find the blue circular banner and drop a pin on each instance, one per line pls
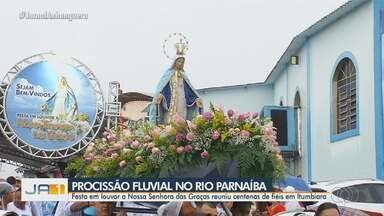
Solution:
(50, 106)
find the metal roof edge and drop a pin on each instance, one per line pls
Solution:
(257, 84)
(299, 40)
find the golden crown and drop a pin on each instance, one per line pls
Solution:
(175, 41)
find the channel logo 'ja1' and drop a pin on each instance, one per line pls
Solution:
(51, 189)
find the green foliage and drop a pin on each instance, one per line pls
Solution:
(75, 167)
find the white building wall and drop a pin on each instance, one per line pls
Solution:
(280, 89)
(244, 98)
(297, 80)
(296, 76)
(353, 157)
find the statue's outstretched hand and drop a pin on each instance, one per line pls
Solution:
(158, 98)
(199, 103)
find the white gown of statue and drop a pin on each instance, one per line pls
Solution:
(59, 106)
(178, 102)
(63, 103)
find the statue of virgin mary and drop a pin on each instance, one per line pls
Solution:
(175, 94)
(62, 104)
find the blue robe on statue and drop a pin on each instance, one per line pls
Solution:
(160, 110)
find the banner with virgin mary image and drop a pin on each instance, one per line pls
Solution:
(50, 105)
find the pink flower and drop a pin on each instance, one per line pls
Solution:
(156, 131)
(135, 144)
(89, 157)
(122, 164)
(247, 115)
(188, 148)
(207, 116)
(204, 154)
(190, 136)
(106, 153)
(215, 135)
(275, 144)
(147, 138)
(105, 134)
(180, 137)
(119, 145)
(279, 157)
(245, 133)
(126, 150)
(242, 117)
(114, 155)
(111, 137)
(178, 119)
(191, 126)
(180, 149)
(138, 158)
(230, 113)
(269, 131)
(155, 150)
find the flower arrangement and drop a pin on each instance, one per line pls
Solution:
(158, 151)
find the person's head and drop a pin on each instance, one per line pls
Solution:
(6, 192)
(18, 183)
(179, 64)
(11, 180)
(103, 208)
(62, 82)
(327, 209)
(17, 201)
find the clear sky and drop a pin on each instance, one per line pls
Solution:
(231, 42)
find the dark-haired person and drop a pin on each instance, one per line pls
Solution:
(328, 209)
(12, 181)
(10, 214)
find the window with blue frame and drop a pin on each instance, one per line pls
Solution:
(344, 109)
(345, 93)
(284, 121)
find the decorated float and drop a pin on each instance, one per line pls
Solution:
(179, 139)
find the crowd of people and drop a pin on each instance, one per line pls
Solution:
(12, 205)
